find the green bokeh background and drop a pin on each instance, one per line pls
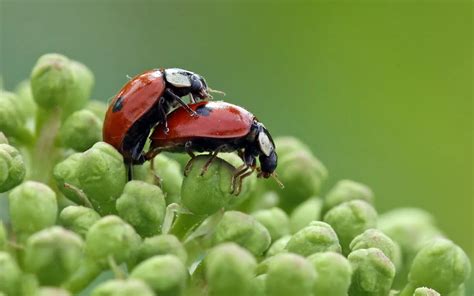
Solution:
(381, 90)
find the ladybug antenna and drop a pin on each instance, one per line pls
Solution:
(275, 177)
(216, 91)
(129, 77)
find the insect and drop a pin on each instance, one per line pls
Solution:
(220, 127)
(145, 101)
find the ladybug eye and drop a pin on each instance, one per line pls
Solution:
(265, 144)
(177, 78)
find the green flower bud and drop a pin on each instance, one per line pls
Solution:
(33, 207)
(288, 144)
(275, 220)
(29, 284)
(53, 254)
(210, 192)
(259, 285)
(262, 267)
(13, 122)
(127, 287)
(350, 219)
(374, 238)
(425, 292)
(81, 130)
(10, 274)
(165, 274)
(26, 104)
(410, 228)
(302, 174)
(279, 246)
(303, 214)
(78, 219)
(99, 172)
(57, 81)
(334, 274)
(102, 177)
(290, 274)
(12, 167)
(441, 265)
(98, 108)
(229, 270)
(85, 79)
(260, 199)
(87, 271)
(347, 190)
(161, 245)
(64, 173)
(143, 206)
(171, 177)
(460, 291)
(3, 138)
(317, 237)
(170, 174)
(244, 230)
(112, 237)
(52, 291)
(373, 272)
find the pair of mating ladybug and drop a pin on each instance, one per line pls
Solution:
(145, 103)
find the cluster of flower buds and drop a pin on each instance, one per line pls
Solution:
(73, 224)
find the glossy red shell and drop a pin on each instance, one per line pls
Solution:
(218, 120)
(135, 99)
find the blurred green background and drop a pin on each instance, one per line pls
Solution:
(382, 91)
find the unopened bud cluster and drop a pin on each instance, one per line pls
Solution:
(75, 223)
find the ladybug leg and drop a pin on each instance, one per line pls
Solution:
(191, 98)
(188, 167)
(187, 148)
(241, 172)
(161, 109)
(241, 178)
(151, 154)
(209, 161)
(181, 102)
(129, 171)
(235, 178)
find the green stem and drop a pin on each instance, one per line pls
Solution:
(86, 273)
(408, 290)
(44, 152)
(207, 227)
(171, 210)
(118, 272)
(80, 194)
(185, 223)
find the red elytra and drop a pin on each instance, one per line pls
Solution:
(134, 100)
(219, 127)
(218, 120)
(144, 102)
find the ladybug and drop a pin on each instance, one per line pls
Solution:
(143, 102)
(220, 127)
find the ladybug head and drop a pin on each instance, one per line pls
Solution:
(185, 82)
(199, 86)
(267, 155)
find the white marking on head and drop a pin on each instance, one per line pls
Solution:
(177, 77)
(265, 144)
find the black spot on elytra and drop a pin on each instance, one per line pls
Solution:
(203, 111)
(118, 105)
